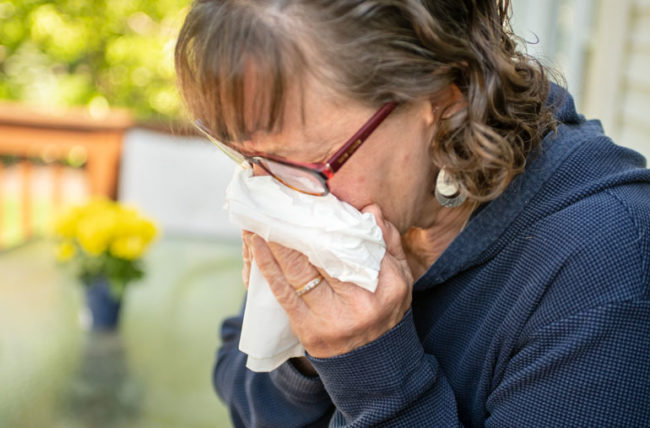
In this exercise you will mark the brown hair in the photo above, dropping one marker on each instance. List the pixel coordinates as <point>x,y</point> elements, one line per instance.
<point>374,51</point>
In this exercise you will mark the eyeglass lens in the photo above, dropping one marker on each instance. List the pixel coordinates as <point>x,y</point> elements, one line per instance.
<point>293,177</point>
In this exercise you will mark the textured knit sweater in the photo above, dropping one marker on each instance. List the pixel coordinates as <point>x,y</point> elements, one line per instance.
<point>536,315</point>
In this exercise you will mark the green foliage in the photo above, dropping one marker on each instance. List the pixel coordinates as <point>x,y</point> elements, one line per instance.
<point>94,53</point>
<point>118,272</point>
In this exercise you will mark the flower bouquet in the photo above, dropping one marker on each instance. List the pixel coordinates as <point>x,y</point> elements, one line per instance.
<point>103,240</point>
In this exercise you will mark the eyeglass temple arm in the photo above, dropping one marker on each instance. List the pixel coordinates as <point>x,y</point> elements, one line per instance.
<point>338,159</point>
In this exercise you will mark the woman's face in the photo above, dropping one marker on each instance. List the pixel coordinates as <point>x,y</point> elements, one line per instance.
<point>391,169</point>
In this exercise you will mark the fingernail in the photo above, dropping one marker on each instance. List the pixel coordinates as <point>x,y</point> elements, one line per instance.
<point>256,241</point>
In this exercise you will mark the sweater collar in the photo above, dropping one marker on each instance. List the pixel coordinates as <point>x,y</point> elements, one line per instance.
<point>482,234</point>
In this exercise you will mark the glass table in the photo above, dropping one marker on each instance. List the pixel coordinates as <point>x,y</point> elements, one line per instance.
<point>153,371</point>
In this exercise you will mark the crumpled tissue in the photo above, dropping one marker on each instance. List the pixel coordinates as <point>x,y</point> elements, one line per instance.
<point>334,235</point>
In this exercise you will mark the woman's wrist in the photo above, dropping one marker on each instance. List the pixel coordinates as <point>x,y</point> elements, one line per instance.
<point>380,367</point>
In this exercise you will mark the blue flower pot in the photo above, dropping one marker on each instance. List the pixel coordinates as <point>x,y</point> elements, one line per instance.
<point>104,308</point>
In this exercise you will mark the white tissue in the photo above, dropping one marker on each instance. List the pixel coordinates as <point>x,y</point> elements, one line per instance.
<point>335,236</point>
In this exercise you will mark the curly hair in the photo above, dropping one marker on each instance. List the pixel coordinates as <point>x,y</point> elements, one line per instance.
<point>374,51</point>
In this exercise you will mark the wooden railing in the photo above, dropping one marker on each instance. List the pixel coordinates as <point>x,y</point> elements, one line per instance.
<point>57,149</point>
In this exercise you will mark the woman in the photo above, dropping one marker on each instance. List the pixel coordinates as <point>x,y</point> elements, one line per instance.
<point>514,289</point>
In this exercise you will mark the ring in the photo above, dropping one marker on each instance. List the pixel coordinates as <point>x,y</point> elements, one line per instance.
<point>309,286</point>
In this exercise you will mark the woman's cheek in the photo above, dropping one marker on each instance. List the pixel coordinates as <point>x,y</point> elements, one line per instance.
<point>354,191</point>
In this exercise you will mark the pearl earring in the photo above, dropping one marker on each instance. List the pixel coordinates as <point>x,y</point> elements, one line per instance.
<point>447,192</point>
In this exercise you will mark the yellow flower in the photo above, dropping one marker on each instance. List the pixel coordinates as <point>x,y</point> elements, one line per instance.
<point>65,225</point>
<point>103,225</point>
<point>128,247</point>
<point>96,230</point>
<point>65,251</point>
<point>146,230</point>
<point>133,234</point>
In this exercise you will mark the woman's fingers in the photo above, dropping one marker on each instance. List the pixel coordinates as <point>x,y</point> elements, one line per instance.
<point>284,293</point>
<point>296,266</point>
<point>394,271</point>
<point>335,317</point>
<point>247,256</point>
<point>299,272</point>
<point>392,237</point>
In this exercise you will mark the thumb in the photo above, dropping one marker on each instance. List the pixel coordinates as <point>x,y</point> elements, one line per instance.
<point>388,229</point>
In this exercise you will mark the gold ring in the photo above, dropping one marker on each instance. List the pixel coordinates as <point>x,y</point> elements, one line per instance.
<point>309,286</point>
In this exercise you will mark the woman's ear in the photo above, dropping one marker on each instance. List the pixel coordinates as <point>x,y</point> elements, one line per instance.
<point>447,102</point>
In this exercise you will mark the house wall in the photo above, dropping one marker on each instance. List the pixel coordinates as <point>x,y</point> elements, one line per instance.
<point>632,118</point>
<point>602,47</point>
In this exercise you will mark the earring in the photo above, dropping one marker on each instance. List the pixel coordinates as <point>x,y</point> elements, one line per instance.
<point>447,192</point>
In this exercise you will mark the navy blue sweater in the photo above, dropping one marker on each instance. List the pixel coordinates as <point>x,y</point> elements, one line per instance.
<point>537,314</point>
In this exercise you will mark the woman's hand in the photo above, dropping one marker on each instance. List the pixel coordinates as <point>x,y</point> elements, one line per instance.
<point>247,256</point>
<point>336,317</point>
<point>302,364</point>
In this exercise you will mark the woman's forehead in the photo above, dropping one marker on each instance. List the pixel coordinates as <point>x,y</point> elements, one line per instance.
<point>320,131</point>
<point>312,117</point>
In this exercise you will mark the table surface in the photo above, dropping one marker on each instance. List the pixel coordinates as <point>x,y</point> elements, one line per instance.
<point>154,371</point>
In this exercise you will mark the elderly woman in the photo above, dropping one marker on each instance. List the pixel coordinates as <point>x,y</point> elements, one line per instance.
<point>514,289</point>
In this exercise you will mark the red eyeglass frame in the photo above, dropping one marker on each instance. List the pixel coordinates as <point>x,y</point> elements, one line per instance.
<point>323,170</point>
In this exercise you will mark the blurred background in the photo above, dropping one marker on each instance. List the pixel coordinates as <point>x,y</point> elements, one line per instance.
<point>88,107</point>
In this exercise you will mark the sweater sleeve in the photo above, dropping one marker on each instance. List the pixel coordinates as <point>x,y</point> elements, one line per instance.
<point>281,398</point>
<point>389,382</point>
<point>589,369</point>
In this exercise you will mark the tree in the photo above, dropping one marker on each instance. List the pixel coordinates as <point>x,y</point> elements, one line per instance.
<point>94,53</point>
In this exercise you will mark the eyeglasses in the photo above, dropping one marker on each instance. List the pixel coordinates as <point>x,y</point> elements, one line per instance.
<point>309,178</point>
